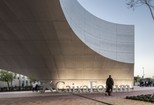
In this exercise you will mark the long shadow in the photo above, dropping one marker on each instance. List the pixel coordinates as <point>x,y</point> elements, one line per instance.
<point>93,99</point>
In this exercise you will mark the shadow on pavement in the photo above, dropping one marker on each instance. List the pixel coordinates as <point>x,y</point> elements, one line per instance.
<point>93,99</point>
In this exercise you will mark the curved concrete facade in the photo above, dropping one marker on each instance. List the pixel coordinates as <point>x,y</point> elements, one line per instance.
<point>37,40</point>
<point>114,41</point>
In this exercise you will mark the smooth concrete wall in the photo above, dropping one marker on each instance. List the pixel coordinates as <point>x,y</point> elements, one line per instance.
<point>114,41</point>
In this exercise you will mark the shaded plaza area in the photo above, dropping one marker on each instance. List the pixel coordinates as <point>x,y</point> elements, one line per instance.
<point>34,98</point>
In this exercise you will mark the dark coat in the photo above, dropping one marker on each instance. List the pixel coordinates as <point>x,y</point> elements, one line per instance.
<point>109,82</point>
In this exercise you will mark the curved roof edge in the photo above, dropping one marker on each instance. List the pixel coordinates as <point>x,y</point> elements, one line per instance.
<point>111,40</point>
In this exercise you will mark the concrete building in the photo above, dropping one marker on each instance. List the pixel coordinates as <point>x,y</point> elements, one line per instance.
<point>20,80</point>
<point>59,40</point>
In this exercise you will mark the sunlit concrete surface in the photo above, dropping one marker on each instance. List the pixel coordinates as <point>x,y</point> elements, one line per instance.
<point>111,40</point>
<point>33,98</point>
<point>37,40</point>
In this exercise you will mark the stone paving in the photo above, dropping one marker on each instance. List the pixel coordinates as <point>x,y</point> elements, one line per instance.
<point>34,98</point>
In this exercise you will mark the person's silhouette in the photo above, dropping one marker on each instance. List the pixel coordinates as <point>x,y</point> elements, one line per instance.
<point>109,85</point>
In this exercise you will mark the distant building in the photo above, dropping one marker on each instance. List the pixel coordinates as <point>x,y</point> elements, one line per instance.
<point>20,80</point>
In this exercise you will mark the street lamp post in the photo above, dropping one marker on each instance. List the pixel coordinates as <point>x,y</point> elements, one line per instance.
<point>143,73</point>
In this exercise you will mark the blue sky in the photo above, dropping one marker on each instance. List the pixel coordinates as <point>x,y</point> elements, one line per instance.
<point>118,12</point>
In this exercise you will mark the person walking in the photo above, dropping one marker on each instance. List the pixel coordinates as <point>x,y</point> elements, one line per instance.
<point>36,86</point>
<point>109,85</point>
<point>33,86</point>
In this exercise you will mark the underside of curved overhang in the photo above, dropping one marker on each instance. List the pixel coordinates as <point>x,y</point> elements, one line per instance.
<point>37,41</point>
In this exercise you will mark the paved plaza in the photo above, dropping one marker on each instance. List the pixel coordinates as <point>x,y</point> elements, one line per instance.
<point>35,98</point>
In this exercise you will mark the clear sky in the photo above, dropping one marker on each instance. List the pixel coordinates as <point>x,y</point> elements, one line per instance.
<point>118,12</point>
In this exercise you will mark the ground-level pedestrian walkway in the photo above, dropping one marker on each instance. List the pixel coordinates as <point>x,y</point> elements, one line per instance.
<point>35,98</point>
